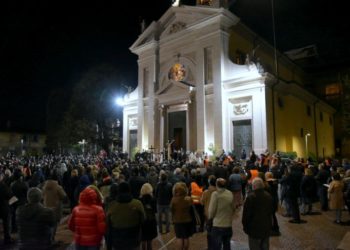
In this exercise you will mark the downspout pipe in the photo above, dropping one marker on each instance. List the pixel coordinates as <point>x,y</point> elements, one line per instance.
<point>274,114</point>
<point>276,72</point>
<point>315,128</point>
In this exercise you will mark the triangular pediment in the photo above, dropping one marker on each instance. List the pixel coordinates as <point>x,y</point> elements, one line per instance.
<point>175,20</point>
<point>173,87</point>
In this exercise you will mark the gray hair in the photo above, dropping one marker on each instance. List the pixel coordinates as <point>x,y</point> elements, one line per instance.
<point>34,195</point>
<point>258,183</point>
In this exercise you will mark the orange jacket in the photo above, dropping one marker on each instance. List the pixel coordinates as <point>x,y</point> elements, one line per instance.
<point>254,173</point>
<point>196,193</point>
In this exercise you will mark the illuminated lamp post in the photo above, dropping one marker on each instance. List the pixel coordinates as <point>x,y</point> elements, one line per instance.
<point>306,145</point>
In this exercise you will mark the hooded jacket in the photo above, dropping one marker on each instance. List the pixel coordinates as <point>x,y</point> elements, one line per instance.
<point>88,220</point>
<point>53,195</point>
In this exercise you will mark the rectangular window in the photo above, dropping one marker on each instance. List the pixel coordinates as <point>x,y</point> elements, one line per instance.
<point>330,120</point>
<point>333,91</point>
<point>240,57</point>
<point>208,65</point>
<point>145,82</point>
<point>308,110</point>
<point>321,116</point>
<point>301,132</point>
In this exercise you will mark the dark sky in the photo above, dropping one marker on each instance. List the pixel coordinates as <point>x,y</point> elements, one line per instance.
<point>48,44</point>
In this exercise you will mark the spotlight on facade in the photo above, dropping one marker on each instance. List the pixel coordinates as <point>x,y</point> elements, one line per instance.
<point>119,101</point>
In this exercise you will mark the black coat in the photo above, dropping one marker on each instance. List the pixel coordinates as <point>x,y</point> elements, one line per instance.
<point>5,195</point>
<point>164,193</point>
<point>257,214</point>
<point>291,184</point>
<point>308,188</point>
<point>34,222</point>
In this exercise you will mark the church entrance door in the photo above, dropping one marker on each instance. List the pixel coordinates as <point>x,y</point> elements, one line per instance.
<point>177,129</point>
<point>242,137</point>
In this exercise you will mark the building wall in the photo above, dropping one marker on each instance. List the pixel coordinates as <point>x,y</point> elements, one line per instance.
<point>32,143</point>
<point>210,116</point>
<point>293,123</point>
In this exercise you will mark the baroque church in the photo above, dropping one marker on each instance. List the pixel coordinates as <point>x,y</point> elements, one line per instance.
<point>205,80</point>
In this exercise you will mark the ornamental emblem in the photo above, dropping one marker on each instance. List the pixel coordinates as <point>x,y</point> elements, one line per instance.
<point>240,109</point>
<point>177,72</point>
<point>176,27</point>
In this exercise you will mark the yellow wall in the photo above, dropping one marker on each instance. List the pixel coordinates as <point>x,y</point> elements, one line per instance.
<point>325,134</point>
<point>292,117</point>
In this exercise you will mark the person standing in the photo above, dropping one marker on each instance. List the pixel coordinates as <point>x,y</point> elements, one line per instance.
<point>19,189</point>
<point>235,185</point>
<point>322,178</point>
<point>257,216</point>
<point>181,205</point>
<point>149,226</point>
<point>125,217</point>
<point>5,195</point>
<point>272,188</point>
<point>87,221</point>
<point>34,223</point>
<point>163,196</point>
<point>293,182</point>
<point>308,191</point>
<point>221,211</point>
<point>196,194</point>
<point>53,196</point>
<point>336,199</point>
<point>205,200</point>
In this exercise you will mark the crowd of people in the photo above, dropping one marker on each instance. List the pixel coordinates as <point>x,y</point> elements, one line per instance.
<point>126,204</point>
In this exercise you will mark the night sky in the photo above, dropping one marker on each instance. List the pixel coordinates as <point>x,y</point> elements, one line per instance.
<point>46,45</point>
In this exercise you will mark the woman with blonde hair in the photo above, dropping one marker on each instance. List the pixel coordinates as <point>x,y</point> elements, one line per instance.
<point>336,200</point>
<point>180,208</point>
<point>149,226</point>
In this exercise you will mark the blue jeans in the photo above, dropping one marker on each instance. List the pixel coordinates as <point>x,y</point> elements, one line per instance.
<point>77,247</point>
<point>163,210</point>
<point>221,237</point>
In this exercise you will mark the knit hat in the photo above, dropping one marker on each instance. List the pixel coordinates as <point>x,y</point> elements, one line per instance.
<point>34,195</point>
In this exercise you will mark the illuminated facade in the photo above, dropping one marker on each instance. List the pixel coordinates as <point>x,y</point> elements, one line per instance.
<point>202,82</point>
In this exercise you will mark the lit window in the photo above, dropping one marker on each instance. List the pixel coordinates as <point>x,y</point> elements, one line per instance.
<point>333,90</point>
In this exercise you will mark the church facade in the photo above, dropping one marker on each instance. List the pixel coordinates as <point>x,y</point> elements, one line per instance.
<point>206,81</point>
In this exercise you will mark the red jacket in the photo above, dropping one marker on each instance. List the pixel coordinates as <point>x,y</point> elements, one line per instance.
<point>88,220</point>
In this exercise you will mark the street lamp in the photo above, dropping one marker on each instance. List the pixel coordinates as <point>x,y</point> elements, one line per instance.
<point>119,101</point>
<point>306,149</point>
<point>22,148</point>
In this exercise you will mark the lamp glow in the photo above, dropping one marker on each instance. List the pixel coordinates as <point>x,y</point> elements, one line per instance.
<point>119,101</point>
